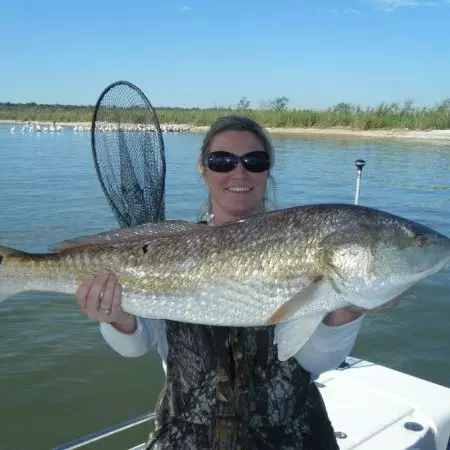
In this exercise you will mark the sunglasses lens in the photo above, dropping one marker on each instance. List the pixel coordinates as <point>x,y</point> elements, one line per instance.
<point>221,161</point>
<point>256,161</point>
<point>225,162</point>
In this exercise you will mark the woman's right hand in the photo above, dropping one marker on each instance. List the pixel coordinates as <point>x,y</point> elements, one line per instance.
<point>99,298</point>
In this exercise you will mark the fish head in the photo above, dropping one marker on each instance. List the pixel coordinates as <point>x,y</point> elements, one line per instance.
<point>379,256</point>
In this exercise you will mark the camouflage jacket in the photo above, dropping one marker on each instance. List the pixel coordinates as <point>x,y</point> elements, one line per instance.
<point>226,389</point>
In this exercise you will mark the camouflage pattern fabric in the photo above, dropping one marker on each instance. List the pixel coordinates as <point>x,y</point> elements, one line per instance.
<point>226,389</point>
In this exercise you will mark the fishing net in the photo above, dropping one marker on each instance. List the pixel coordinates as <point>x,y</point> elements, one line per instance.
<point>128,151</point>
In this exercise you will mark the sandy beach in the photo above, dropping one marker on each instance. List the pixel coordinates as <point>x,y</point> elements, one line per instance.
<point>434,135</point>
<point>430,135</point>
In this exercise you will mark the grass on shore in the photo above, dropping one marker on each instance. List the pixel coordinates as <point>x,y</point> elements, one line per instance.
<point>384,116</point>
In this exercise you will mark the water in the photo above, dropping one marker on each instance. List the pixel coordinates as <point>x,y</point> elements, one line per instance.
<point>59,380</point>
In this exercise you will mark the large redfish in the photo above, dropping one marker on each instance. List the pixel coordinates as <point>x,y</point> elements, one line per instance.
<point>288,267</point>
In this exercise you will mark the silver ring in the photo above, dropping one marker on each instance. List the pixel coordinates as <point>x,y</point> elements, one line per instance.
<point>107,311</point>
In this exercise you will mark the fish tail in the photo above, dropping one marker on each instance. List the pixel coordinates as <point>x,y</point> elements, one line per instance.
<point>9,284</point>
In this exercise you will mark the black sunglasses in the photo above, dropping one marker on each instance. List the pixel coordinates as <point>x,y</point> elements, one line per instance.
<point>258,161</point>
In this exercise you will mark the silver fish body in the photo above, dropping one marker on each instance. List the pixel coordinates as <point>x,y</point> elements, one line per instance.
<point>288,267</point>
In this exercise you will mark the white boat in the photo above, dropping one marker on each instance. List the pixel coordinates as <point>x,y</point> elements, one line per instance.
<point>373,407</point>
<point>370,406</point>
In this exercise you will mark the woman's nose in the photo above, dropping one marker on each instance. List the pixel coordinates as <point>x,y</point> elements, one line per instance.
<point>240,169</point>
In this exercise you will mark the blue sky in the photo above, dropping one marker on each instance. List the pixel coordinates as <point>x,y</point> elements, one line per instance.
<point>210,53</point>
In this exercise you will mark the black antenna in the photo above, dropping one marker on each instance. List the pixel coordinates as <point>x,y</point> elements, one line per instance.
<point>359,163</point>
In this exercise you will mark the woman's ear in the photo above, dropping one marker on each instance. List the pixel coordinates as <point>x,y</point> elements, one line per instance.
<point>202,170</point>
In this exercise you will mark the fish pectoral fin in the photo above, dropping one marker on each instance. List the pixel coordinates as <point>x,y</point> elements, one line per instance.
<point>291,336</point>
<point>299,300</point>
<point>297,319</point>
<point>140,232</point>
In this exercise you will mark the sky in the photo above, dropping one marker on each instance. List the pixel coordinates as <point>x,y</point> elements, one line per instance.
<point>198,53</point>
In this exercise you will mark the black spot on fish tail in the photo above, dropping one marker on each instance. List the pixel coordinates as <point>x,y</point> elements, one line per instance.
<point>145,248</point>
<point>1,258</point>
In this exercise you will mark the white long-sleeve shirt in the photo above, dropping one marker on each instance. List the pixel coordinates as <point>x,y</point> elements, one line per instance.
<point>326,348</point>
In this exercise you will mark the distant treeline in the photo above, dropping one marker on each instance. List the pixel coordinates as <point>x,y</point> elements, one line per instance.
<point>275,114</point>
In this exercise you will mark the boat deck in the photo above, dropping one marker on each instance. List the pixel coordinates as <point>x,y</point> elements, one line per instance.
<point>373,407</point>
<point>370,406</point>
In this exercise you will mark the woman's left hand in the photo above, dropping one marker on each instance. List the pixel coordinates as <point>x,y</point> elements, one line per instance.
<point>346,315</point>
<point>381,309</point>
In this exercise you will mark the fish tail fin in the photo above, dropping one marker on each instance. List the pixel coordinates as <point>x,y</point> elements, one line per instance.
<point>9,284</point>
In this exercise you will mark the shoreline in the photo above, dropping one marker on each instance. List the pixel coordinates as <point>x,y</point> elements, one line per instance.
<point>423,135</point>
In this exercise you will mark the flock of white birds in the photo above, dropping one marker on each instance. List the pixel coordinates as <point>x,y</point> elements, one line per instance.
<point>104,127</point>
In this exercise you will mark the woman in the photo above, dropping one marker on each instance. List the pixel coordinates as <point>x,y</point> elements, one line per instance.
<point>225,387</point>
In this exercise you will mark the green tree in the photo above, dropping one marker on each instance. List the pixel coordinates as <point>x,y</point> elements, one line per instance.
<point>343,107</point>
<point>408,105</point>
<point>244,103</point>
<point>444,105</point>
<point>280,104</point>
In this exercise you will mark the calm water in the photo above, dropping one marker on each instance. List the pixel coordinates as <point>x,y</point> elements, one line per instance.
<point>59,380</point>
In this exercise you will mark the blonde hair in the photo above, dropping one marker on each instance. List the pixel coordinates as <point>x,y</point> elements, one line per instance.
<point>236,123</point>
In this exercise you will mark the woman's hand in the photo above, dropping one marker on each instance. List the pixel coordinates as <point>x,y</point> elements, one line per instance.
<point>99,298</point>
<point>346,315</point>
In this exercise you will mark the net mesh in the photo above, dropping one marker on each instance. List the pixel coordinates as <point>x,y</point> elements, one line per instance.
<point>129,156</point>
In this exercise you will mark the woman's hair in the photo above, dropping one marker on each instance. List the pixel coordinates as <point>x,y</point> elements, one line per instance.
<point>236,123</point>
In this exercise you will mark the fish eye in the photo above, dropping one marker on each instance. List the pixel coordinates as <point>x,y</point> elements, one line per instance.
<point>421,240</point>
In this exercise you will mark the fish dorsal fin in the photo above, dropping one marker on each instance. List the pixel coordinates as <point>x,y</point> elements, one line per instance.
<point>139,232</point>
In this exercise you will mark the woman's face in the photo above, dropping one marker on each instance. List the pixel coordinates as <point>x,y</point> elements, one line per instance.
<point>238,193</point>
